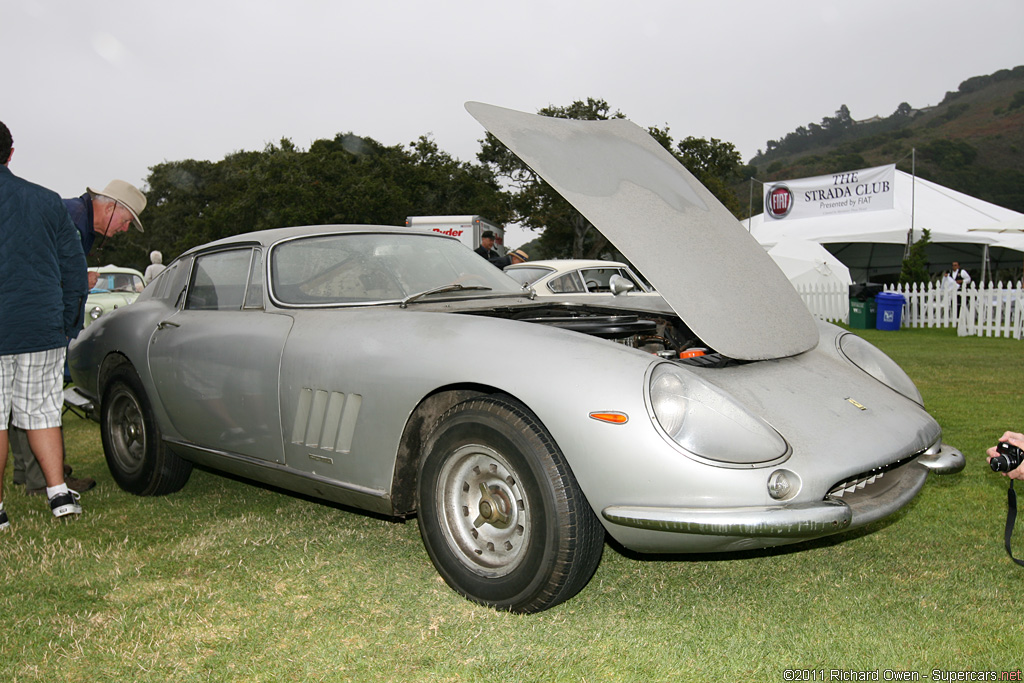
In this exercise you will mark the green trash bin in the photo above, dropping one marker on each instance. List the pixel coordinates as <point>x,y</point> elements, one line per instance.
<point>863,314</point>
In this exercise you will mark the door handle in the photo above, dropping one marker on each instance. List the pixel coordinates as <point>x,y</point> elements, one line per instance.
<point>165,324</point>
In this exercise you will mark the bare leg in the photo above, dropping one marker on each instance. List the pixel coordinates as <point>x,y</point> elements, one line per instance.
<point>49,450</point>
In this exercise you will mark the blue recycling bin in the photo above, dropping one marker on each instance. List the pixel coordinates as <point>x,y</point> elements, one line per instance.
<point>890,310</point>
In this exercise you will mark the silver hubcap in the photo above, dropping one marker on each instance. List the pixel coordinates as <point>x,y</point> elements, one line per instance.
<point>485,513</point>
<point>127,431</point>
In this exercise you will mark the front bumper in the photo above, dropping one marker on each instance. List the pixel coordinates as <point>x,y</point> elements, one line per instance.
<point>837,512</point>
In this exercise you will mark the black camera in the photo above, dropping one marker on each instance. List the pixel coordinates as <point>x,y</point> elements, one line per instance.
<point>1009,458</point>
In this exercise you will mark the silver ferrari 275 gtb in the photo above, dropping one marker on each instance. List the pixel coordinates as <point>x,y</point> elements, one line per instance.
<point>355,364</point>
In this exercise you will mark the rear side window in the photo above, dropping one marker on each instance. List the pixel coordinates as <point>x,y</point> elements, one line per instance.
<point>570,283</point>
<point>170,285</point>
<point>526,276</point>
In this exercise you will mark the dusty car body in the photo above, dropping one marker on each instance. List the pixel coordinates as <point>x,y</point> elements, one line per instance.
<point>557,277</point>
<point>353,363</point>
<point>115,287</point>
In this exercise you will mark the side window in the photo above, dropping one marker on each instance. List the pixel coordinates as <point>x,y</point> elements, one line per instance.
<point>254,293</point>
<point>566,284</point>
<point>218,281</point>
<point>598,279</point>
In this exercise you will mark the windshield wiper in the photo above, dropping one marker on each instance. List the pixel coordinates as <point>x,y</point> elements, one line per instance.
<point>453,287</point>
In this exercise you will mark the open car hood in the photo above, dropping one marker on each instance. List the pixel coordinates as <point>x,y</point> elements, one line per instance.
<point>712,273</point>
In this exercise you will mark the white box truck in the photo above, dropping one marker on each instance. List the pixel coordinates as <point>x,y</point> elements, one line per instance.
<point>467,228</point>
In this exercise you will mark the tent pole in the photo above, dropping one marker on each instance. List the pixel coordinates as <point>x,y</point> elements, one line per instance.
<point>750,203</point>
<point>913,203</point>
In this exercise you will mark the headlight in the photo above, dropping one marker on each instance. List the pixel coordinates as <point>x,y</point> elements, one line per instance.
<point>871,360</point>
<point>709,423</point>
<point>95,312</point>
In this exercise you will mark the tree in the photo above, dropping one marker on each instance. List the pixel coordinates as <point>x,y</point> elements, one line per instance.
<point>915,266</point>
<point>349,179</point>
<point>904,110</point>
<point>716,164</point>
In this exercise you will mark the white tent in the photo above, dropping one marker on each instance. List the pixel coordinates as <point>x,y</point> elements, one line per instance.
<point>808,263</point>
<point>1013,241</point>
<point>1010,226</point>
<point>873,242</point>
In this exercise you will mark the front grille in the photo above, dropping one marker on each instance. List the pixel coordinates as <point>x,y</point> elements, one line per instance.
<point>861,481</point>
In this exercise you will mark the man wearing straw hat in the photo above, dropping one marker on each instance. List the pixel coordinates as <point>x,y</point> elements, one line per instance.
<point>98,214</point>
<point>105,213</point>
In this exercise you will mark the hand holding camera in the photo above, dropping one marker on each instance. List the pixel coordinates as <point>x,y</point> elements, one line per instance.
<point>1007,456</point>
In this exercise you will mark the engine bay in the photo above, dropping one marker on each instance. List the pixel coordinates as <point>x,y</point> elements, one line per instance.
<point>655,332</point>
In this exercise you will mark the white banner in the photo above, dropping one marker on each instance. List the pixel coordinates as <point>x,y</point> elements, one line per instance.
<point>869,189</point>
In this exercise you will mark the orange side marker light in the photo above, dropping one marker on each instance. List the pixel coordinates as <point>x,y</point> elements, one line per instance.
<point>610,417</point>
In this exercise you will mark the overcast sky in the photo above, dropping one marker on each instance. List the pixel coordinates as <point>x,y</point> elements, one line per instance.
<point>107,88</point>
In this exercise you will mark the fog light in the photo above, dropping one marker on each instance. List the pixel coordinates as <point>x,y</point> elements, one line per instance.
<point>782,485</point>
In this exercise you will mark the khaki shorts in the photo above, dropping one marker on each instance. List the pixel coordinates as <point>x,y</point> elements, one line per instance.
<point>32,389</point>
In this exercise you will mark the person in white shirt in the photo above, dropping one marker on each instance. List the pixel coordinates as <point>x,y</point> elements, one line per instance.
<point>959,276</point>
<point>956,280</point>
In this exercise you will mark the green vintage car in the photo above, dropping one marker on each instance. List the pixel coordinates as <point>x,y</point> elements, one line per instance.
<point>115,287</point>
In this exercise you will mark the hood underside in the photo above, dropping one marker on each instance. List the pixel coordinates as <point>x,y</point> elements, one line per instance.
<point>713,274</point>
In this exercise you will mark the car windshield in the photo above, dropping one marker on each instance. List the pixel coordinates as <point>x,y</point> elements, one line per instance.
<point>365,268</point>
<point>117,282</point>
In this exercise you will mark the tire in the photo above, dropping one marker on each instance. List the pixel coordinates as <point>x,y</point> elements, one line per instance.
<point>136,455</point>
<point>500,513</point>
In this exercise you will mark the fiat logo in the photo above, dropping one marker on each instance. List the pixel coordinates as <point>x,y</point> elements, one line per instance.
<point>779,201</point>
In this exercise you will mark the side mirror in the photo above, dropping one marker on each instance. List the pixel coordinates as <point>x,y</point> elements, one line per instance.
<point>620,285</point>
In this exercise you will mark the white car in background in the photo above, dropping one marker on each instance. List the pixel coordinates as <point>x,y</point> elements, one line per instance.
<point>115,287</point>
<point>579,276</point>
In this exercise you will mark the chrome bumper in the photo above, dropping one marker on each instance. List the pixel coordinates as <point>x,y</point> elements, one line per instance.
<point>806,520</point>
<point>943,460</point>
<point>796,521</point>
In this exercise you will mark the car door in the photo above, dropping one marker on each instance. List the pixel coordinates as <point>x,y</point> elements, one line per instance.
<point>216,359</point>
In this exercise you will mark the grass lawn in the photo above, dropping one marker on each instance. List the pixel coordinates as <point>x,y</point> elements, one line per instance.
<point>225,581</point>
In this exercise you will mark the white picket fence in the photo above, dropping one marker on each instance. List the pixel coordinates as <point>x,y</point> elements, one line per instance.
<point>829,302</point>
<point>993,310</point>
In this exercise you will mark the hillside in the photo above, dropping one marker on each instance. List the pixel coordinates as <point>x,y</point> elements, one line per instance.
<point>973,142</point>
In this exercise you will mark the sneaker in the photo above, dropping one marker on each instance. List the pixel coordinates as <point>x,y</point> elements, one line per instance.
<point>64,504</point>
<point>4,522</point>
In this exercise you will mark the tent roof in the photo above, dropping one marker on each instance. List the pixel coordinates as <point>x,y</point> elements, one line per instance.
<point>808,263</point>
<point>948,214</point>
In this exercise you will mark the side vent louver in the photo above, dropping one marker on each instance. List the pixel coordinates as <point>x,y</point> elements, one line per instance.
<point>326,420</point>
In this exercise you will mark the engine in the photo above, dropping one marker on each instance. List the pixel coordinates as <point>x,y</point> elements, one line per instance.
<point>662,335</point>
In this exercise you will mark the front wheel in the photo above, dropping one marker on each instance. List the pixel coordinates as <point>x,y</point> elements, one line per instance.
<point>136,455</point>
<point>500,512</point>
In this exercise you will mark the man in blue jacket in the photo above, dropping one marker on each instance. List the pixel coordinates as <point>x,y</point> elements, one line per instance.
<point>98,215</point>
<point>42,273</point>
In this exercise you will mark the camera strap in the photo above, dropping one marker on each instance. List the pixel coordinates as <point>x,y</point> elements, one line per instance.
<point>1011,519</point>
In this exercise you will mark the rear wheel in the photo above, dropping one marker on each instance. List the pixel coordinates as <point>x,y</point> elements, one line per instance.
<point>136,455</point>
<point>500,513</point>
